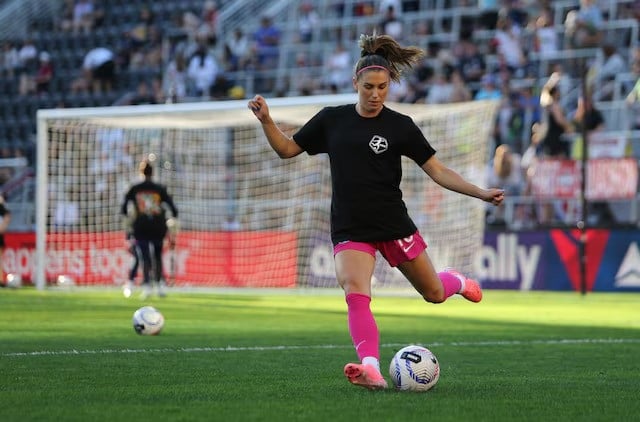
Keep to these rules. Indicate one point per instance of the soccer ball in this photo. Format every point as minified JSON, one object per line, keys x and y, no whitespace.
{"x":414,"y":368}
{"x":148,"y":321}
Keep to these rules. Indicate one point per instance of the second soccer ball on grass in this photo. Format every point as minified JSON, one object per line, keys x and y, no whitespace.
{"x":148,"y":321}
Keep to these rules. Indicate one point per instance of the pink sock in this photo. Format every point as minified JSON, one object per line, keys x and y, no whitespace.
{"x":362,"y":326}
{"x":450,"y":282}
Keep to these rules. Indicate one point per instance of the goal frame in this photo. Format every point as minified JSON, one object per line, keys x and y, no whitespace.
{"x":42,"y":157}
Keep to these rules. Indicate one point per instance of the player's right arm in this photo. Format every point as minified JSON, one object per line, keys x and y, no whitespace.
{"x":282,"y":144}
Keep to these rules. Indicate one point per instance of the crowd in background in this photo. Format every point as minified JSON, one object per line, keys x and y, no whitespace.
{"x":503,"y":51}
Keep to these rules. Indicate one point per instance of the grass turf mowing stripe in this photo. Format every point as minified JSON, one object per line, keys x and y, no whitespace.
{"x":310,"y":347}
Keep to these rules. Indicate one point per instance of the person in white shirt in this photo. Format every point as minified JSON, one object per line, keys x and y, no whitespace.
{"x":99,"y":69}
{"x":545,"y":36}
{"x":201,"y":73}
{"x":338,"y":67}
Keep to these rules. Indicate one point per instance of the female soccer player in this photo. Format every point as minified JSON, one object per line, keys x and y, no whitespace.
{"x":365,"y":142}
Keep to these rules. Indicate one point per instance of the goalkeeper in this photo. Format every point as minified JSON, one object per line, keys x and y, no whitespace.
{"x":365,"y":142}
{"x":149,"y":226}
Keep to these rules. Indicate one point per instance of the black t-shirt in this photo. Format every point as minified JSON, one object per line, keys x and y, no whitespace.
{"x":148,"y":198}
{"x":365,"y":155}
{"x":592,"y":119}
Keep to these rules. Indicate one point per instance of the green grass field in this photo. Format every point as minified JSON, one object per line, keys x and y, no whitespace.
{"x":73,"y":356}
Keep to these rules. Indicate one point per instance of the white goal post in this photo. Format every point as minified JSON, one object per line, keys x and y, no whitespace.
{"x":247,"y":218}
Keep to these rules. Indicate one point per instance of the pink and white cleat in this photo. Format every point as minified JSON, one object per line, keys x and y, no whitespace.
{"x":365,"y":376}
{"x":470,"y":288}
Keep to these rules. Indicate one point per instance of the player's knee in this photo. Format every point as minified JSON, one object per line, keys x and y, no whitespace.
{"x":434,"y":296}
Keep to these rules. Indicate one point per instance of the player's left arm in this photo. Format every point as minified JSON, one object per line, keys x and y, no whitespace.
{"x":451,"y":180}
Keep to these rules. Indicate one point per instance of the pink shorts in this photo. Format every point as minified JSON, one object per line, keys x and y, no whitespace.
{"x":394,"y":251}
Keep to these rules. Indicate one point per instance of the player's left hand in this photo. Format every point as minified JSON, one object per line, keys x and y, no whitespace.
{"x":494,"y":196}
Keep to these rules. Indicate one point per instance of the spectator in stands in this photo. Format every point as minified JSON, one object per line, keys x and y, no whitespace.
{"x":459,"y":90}
{"x":65,"y":15}
{"x":302,"y":81}
{"x":66,"y":213}
{"x":489,"y":89}
{"x":510,"y":120}
{"x":209,"y":18}
{"x":528,"y":104}
{"x":221,"y":87}
{"x":385,"y":4}
{"x":470,"y":62}
{"x":201,"y":72}
{"x":153,"y":49}
{"x":563,"y":79}
{"x":545,"y":40}
{"x":142,"y":95}
{"x":633,"y":97}
{"x":174,"y":83}
{"x":555,"y":123}
{"x":587,"y":117}
{"x":10,"y":63}
{"x":38,"y":83}
{"x":391,"y":24}
{"x":367,"y":208}
{"x":533,"y":152}
{"x":139,"y":34}
{"x":440,"y":88}
{"x":190,"y":24}
{"x":583,"y":27}
{"x":508,"y":45}
{"x":83,"y":16}
{"x":363,"y":8}
{"x":631,"y":10}
{"x":5,"y":220}
{"x":504,"y":172}
{"x":237,"y":51}
{"x":267,"y":52}
{"x":602,"y":75}
{"x":308,"y":21}
{"x":28,"y":55}
{"x":267,"y":42}
{"x":338,"y":66}
{"x":44,"y":74}
{"x":488,"y":16}
{"x":98,"y":72}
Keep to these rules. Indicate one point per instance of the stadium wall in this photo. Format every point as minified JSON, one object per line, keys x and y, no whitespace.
{"x":536,"y":260}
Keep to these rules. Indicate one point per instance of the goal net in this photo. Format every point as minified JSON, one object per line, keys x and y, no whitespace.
{"x":247,"y":218}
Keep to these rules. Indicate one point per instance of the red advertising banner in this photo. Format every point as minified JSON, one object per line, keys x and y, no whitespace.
{"x":238,"y":259}
{"x":556,"y":179}
{"x":612,"y":178}
{"x":607,"y":178}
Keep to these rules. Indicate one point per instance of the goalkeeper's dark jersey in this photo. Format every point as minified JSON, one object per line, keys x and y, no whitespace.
{"x":150,"y":220}
{"x":365,"y":155}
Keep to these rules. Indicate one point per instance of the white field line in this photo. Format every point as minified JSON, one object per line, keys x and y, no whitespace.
{"x":310,"y":347}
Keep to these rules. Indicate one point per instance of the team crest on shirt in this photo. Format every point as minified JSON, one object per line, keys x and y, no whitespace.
{"x":378,"y":144}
